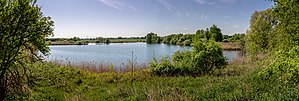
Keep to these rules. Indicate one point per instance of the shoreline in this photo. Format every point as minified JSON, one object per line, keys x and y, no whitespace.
{"x":230,"y":46}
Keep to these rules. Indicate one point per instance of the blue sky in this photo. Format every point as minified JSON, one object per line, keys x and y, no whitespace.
{"x":113,"y":18}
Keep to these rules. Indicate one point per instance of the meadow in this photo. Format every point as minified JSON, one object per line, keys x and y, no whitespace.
{"x":238,"y":81}
{"x":267,"y":70}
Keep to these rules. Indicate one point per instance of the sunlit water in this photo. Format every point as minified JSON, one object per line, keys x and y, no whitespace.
{"x":117,"y":53}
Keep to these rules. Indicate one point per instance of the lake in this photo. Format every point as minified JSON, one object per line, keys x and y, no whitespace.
{"x":117,"y":53}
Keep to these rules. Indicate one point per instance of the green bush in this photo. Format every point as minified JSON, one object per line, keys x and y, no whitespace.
{"x":284,"y":67}
{"x":173,"y":41}
{"x":182,"y":61}
{"x":163,"y":68}
{"x":205,"y":58}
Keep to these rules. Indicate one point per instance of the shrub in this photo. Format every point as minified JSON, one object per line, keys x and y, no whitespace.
{"x":284,"y":67}
{"x":182,"y":61}
{"x":207,"y":56}
{"x":163,"y":68}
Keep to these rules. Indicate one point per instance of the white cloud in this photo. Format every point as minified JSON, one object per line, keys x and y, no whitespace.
{"x":201,"y":1}
{"x":226,"y":17}
{"x":118,"y":5}
{"x":206,"y":2}
{"x":236,"y":26}
{"x":228,"y":1}
{"x":169,"y":7}
{"x":211,"y":3}
{"x":214,"y":2}
{"x":201,"y":17}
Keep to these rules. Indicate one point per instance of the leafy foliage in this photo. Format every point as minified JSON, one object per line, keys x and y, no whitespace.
{"x":152,"y":38}
{"x":287,"y":30}
{"x":259,"y":37}
{"x":215,"y":33}
{"x":275,"y":31}
{"x":164,"y":67}
{"x":212,"y":33}
{"x":182,"y":61}
{"x":284,"y":68}
{"x":22,"y":36}
{"x":204,"y":58}
{"x":236,"y":37}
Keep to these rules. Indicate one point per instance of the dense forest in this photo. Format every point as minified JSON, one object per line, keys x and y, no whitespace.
{"x":268,"y":71}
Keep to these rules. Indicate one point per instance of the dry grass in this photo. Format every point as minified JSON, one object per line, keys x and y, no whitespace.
{"x":94,"y":67}
{"x":243,"y":65}
{"x":230,"y":46}
{"x":237,"y":66}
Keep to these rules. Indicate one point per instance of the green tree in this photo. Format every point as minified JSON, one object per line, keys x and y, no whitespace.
{"x":207,"y":56}
{"x":151,"y":38}
{"x":189,"y":36}
{"x":207,"y":34}
{"x":100,"y":39}
{"x":107,"y":41}
{"x":287,"y":30}
{"x":216,"y":34}
{"x":236,"y":38}
{"x":283,"y":66}
{"x":167,"y":39}
{"x":75,"y":39}
{"x":23,"y":34}
{"x":158,"y":40}
{"x":174,"y":39}
{"x":200,"y":34}
{"x":261,"y":30}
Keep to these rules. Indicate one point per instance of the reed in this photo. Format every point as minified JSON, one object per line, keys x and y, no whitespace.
{"x":230,"y":46}
{"x":95,"y":67}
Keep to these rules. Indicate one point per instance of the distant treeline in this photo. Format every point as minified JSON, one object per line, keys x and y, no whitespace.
{"x":82,"y":41}
{"x":212,"y":33}
{"x":97,"y":38}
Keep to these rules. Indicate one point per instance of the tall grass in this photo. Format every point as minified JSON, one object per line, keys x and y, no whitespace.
{"x":238,"y":81}
{"x":95,"y":67}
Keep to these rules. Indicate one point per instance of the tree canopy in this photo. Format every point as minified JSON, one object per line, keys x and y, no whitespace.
{"x":22,"y":37}
{"x":261,"y":32}
{"x":215,"y":33}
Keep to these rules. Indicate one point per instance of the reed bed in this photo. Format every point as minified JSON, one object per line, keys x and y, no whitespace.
{"x":96,"y":67}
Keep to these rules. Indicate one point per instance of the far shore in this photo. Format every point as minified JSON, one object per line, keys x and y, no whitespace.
{"x":224,"y":45}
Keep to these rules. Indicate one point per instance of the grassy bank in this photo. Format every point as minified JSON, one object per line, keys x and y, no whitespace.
{"x":239,"y":81}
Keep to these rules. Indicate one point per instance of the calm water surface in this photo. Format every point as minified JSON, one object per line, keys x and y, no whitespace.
{"x":117,"y":53}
